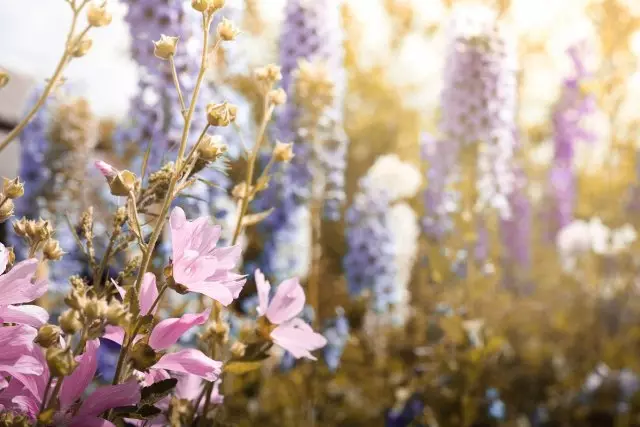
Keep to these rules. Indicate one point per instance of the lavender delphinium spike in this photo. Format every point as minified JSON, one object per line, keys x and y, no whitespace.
{"x":572,"y":109}
{"x":479,"y":99}
{"x":369,"y":263}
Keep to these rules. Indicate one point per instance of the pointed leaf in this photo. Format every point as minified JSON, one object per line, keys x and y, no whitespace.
{"x":157,"y":391}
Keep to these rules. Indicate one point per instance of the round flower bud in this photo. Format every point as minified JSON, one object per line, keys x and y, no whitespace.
{"x":123,"y":183}
{"x":52,"y":250}
{"x":166,"y":47}
{"x":283,"y":152}
{"x":70,"y":321}
{"x":227,"y":30}
{"x":6,"y":210}
{"x":13,"y":188}
{"x":143,"y":356}
{"x":95,"y":309}
{"x":60,"y":361}
{"x":277,"y":96}
{"x":211,"y":148}
{"x":80,"y":47}
{"x":48,"y":335}
{"x":98,"y":15}
{"x":221,"y":114}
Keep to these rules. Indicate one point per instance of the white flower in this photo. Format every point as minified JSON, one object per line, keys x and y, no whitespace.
{"x":397,"y":179}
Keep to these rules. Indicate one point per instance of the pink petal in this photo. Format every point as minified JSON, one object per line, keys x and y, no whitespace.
{"x":90,"y":422}
{"x":298,"y":338}
{"x":228,"y":257}
{"x":4,"y":258}
{"x":287,"y":303}
{"x":179,"y":232}
{"x":110,"y":396}
{"x":168,"y":332}
{"x":155,"y":375}
{"x":193,"y":268}
{"x":191,"y":361}
{"x":148,"y":293}
{"x":18,"y":285}
{"x":188,"y":387}
{"x":106,"y":169}
{"x":23,"y":364}
{"x":119,"y":288}
{"x":114,"y":333}
{"x":214,"y":290}
{"x":31,"y":315}
{"x":74,"y":385}
{"x":263,"y":287}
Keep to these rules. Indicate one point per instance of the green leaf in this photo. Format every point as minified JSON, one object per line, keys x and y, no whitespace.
{"x":144,"y":412}
{"x":157,"y":391}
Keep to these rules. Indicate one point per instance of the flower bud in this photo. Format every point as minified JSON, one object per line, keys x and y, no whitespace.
{"x":43,"y":230}
{"x":20,"y":227}
{"x":227,"y":30}
{"x":143,"y":356}
{"x":48,"y":335}
{"x":13,"y":188}
{"x":4,"y":78}
{"x":95,"y":309}
{"x":52,"y":250}
{"x":98,"y":15}
{"x":6,"y":210}
{"x":166,"y":47}
{"x":80,"y":47}
{"x":277,"y":96}
{"x":60,"y":361}
{"x":123,"y":183}
{"x":70,"y":321}
{"x":75,"y":299}
{"x":269,"y":74}
{"x":11,"y":257}
{"x":45,"y":417}
{"x":211,"y":148}
{"x":116,"y":314}
{"x":221,"y":114}
{"x":283,"y":152}
{"x":106,"y":169}
{"x":200,"y":5}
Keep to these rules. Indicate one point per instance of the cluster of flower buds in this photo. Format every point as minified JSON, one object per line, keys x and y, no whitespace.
{"x":11,"y":189}
{"x":121,"y":183}
{"x":90,"y":312}
{"x":39,"y":236}
{"x":207,"y":6}
{"x":159,"y":180}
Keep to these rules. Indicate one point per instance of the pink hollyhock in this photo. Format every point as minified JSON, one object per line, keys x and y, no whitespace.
{"x":24,"y":393}
{"x":198,"y":265}
{"x":292,"y":333}
{"x":166,"y":333}
{"x":18,"y":286}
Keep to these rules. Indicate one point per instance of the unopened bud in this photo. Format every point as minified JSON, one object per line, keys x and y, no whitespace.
{"x":211,"y":148}
{"x":20,"y":227}
{"x":48,"y":335}
{"x":13,"y":188}
{"x":116,"y":314}
{"x":11,"y":257}
{"x":6,"y":210}
{"x":221,"y":114}
{"x":283,"y":152}
{"x":98,"y":15}
{"x":95,"y":309}
{"x":31,"y":228}
{"x":227,"y":30}
{"x":4,"y":78}
{"x":52,"y":250}
{"x":60,"y":361}
{"x":44,"y":230}
{"x":75,"y":299}
{"x":70,"y":321}
{"x":80,"y":47}
{"x":277,"y":96}
{"x":269,"y":74}
{"x":123,"y":183}
{"x":166,"y":47}
{"x":106,"y":169}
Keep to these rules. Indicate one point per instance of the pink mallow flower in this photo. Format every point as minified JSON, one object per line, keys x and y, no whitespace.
{"x":166,"y":333}
{"x":198,"y":265}
{"x":18,"y":286}
{"x":291,"y":333}
{"x":25,"y":389}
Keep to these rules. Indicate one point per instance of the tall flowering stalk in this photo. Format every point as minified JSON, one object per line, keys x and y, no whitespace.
{"x":478,"y":100}
{"x":569,"y":115}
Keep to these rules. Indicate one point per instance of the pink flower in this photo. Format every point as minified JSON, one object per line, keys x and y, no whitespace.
{"x":166,"y":333}
{"x":292,"y":333}
{"x":18,"y":286}
{"x":198,"y":264}
{"x":24,"y":392}
{"x":106,"y":169}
